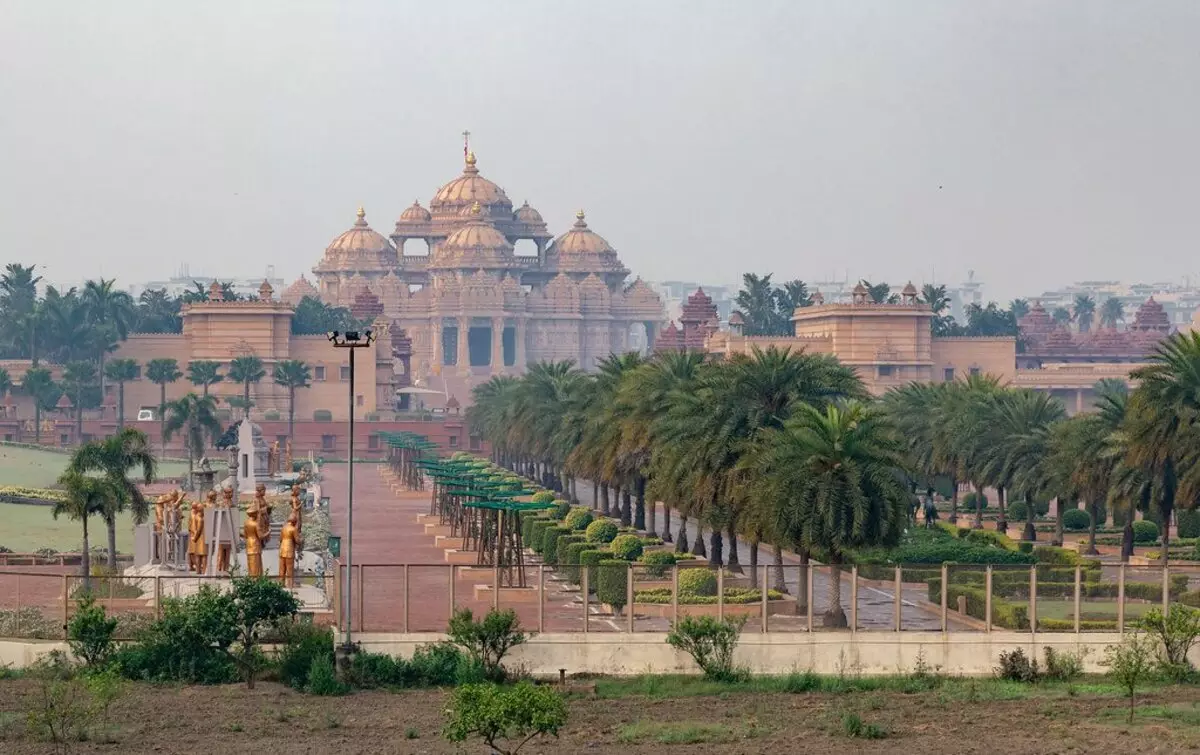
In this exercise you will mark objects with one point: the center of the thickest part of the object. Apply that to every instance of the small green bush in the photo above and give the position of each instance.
(612, 582)
(568, 564)
(1145, 531)
(493, 713)
(710, 642)
(303, 643)
(487, 640)
(627, 547)
(578, 518)
(1188, 523)
(561, 509)
(1017, 511)
(1015, 666)
(601, 531)
(658, 562)
(527, 521)
(697, 582)
(90, 633)
(550, 537)
(563, 545)
(536, 531)
(1025, 547)
(1076, 520)
(322, 678)
(376, 670)
(442, 664)
(543, 496)
(970, 499)
(590, 559)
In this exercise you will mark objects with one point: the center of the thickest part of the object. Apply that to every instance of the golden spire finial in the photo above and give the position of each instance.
(476, 209)
(470, 158)
(579, 215)
(361, 212)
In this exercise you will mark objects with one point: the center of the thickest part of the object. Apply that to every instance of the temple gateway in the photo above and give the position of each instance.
(471, 305)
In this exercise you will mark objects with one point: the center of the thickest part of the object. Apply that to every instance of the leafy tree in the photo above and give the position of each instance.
(1061, 316)
(939, 302)
(315, 317)
(839, 483)
(493, 713)
(1112, 313)
(487, 640)
(756, 301)
(989, 320)
(121, 371)
(260, 604)
(1019, 308)
(880, 293)
(6, 382)
(19, 309)
(1085, 312)
(115, 457)
(204, 373)
(196, 416)
(246, 370)
(83, 497)
(39, 385)
(109, 310)
(158, 312)
(292, 374)
(79, 380)
(160, 372)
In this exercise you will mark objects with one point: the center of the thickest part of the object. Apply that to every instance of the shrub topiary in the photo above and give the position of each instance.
(627, 547)
(657, 562)
(1188, 523)
(550, 543)
(543, 496)
(612, 583)
(601, 531)
(970, 499)
(1017, 511)
(1025, 547)
(589, 559)
(1076, 520)
(1145, 531)
(536, 531)
(697, 582)
(569, 563)
(564, 542)
(578, 518)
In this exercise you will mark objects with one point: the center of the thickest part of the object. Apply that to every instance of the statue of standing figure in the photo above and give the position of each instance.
(256, 530)
(297, 506)
(223, 549)
(197, 551)
(290, 542)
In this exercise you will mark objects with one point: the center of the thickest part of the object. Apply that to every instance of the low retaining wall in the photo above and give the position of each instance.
(869, 653)
(22, 653)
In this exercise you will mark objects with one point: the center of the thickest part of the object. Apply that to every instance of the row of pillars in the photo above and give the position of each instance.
(463, 356)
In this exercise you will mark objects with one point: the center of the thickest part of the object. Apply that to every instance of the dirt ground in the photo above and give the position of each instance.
(274, 719)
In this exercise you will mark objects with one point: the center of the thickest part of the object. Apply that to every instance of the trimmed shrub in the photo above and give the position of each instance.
(1025, 547)
(569, 564)
(527, 521)
(578, 518)
(1145, 531)
(612, 583)
(561, 509)
(550, 537)
(970, 499)
(303, 644)
(657, 562)
(627, 547)
(590, 558)
(697, 582)
(543, 496)
(1188, 523)
(537, 531)
(601, 531)
(563, 544)
(1017, 511)
(1076, 520)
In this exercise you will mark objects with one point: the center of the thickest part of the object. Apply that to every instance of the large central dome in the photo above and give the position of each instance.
(466, 190)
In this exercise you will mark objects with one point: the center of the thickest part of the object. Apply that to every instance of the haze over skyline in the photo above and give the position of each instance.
(1035, 143)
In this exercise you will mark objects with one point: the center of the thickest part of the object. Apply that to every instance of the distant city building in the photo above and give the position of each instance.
(1178, 300)
(675, 293)
(183, 281)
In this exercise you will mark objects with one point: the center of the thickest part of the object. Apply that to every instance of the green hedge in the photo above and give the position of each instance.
(733, 596)
(538, 531)
(590, 558)
(578, 519)
(970, 500)
(627, 547)
(569, 563)
(550, 537)
(1145, 531)
(697, 582)
(1188, 523)
(527, 521)
(563, 544)
(1017, 511)
(658, 563)
(613, 583)
(1004, 613)
(601, 531)
(1076, 520)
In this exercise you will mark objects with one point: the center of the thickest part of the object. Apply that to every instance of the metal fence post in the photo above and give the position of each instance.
(987, 601)
(945, 597)
(66, 615)
(763, 588)
(362, 588)
(406, 589)
(157, 598)
(584, 574)
(17, 631)
(541, 598)
(808, 576)
(496, 587)
(853, 598)
(1121, 599)
(720, 594)
(1033, 598)
(1078, 596)
(451, 590)
(1166, 589)
(674, 595)
(629, 598)
(898, 600)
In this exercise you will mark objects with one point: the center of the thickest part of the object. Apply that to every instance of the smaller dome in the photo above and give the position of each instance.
(581, 239)
(299, 289)
(360, 240)
(526, 214)
(415, 214)
(909, 290)
(735, 318)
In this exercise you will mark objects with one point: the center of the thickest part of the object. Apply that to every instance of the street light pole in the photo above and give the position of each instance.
(352, 340)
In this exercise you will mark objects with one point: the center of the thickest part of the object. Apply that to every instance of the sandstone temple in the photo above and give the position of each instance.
(469, 303)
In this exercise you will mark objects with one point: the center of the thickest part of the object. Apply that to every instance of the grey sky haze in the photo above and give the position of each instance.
(1034, 141)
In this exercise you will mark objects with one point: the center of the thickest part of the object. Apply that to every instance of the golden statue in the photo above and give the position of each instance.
(297, 512)
(197, 551)
(253, 544)
(273, 459)
(287, 451)
(211, 501)
(160, 509)
(290, 542)
(223, 549)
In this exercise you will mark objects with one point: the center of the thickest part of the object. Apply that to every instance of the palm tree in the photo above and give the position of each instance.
(116, 457)
(160, 372)
(246, 370)
(838, 477)
(1112, 312)
(39, 385)
(19, 306)
(204, 373)
(1061, 316)
(1022, 428)
(157, 312)
(78, 379)
(83, 496)
(756, 301)
(121, 371)
(6, 382)
(292, 374)
(1085, 312)
(196, 416)
(108, 309)
(1019, 308)
(880, 293)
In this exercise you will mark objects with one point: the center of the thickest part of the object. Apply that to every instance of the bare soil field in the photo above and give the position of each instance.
(273, 719)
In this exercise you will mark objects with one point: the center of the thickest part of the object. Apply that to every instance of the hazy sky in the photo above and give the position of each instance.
(1036, 142)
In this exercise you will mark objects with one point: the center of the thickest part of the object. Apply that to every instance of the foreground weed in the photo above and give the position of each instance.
(685, 733)
(854, 726)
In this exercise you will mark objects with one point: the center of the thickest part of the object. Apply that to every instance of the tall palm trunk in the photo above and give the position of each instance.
(754, 541)
(717, 547)
(292, 415)
(626, 507)
(121, 405)
(1167, 508)
(835, 616)
(1058, 522)
(978, 525)
(162, 417)
(666, 530)
(1095, 514)
(1001, 519)
(37, 420)
(953, 501)
(574, 490)
(639, 514)
(1030, 531)
(681, 542)
(1127, 539)
(85, 559)
(698, 548)
(111, 523)
(595, 494)
(246, 400)
(735, 564)
(604, 504)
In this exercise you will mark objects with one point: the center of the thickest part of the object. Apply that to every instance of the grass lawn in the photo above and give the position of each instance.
(25, 528)
(1091, 609)
(26, 467)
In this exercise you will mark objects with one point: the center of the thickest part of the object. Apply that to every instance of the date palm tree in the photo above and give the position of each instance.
(1023, 422)
(1112, 313)
(78, 379)
(121, 371)
(756, 302)
(160, 372)
(116, 457)
(196, 417)
(246, 370)
(837, 475)
(19, 306)
(1019, 308)
(39, 385)
(108, 309)
(6, 382)
(204, 373)
(1061, 316)
(292, 374)
(83, 497)
(1085, 312)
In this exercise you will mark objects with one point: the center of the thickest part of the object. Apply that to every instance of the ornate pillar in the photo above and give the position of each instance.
(519, 345)
(464, 353)
(497, 364)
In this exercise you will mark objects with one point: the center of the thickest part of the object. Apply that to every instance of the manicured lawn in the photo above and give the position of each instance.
(25, 528)
(1091, 609)
(27, 467)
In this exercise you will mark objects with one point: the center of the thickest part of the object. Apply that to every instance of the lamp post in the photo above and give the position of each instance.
(352, 340)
